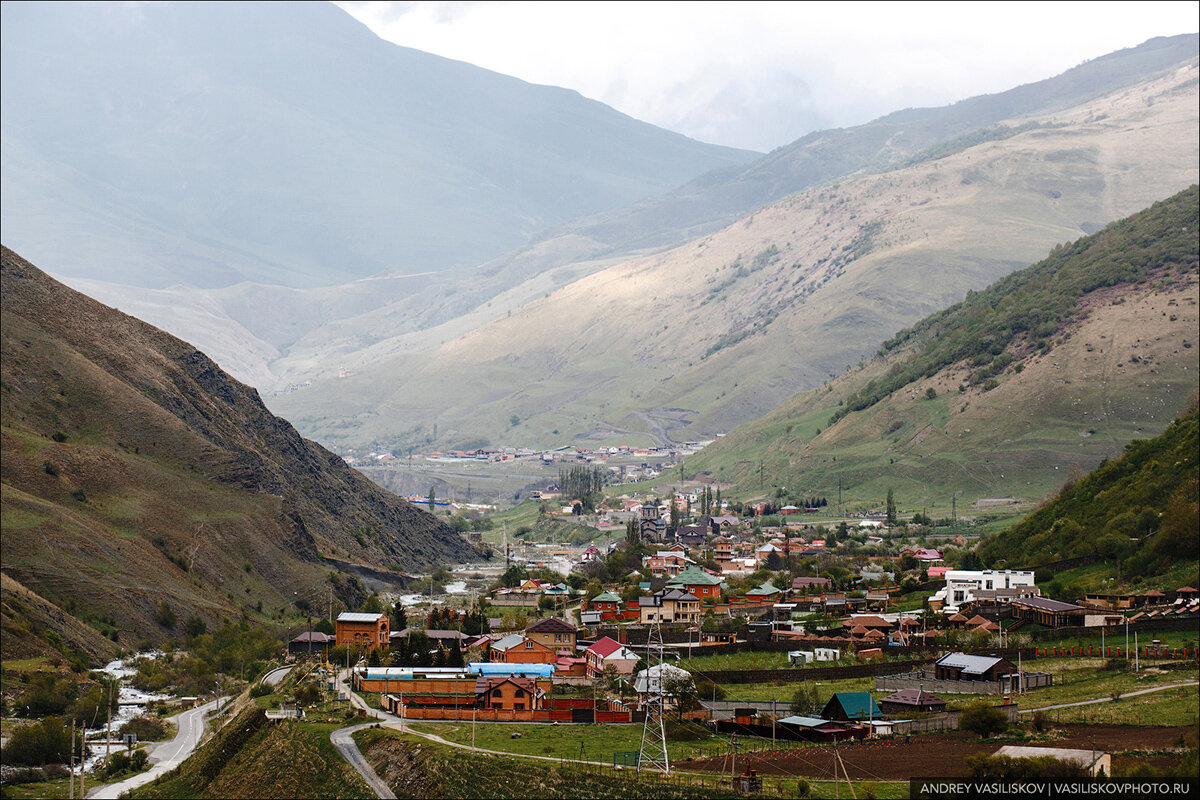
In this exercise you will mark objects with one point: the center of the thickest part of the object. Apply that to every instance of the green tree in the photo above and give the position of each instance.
(431, 498)
(891, 507)
(194, 627)
(165, 615)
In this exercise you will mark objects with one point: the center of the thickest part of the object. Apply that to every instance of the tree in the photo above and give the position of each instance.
(399, 616)
(165, 615)
(431, 495)
(804, 700)
(891, 507)
(982, 719)
(455, 658)
(194, 627)
(324, 626)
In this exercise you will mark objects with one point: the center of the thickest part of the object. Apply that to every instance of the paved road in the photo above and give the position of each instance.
(166, 756)
(1109, 699)
(276, 676)
(343, 739)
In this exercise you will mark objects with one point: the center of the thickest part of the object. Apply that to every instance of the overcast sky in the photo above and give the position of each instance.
(760, 75)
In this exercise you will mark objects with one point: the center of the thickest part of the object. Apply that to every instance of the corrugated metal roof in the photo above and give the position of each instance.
(805, 722)
(357, 616)
(973, 665)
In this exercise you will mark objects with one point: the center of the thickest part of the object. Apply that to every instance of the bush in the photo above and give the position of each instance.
(147, 728)
(1040, 723)
(46, 742)
(261, 690)
(981, 719)
(687, 732)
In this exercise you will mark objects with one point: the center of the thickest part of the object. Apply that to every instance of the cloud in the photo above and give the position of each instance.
(759, 75)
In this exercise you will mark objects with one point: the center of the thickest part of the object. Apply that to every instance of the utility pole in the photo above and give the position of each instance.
(71, 790)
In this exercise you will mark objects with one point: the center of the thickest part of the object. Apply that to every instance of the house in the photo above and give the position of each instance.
(310, 642)
(606, 604)
(590, 554)
(516, 649)
(508, 692)
(803, 584)
(607, 651)
(963, 667)
(553, 633)
(961, 585)
(362, 629)
(658, 680)
(651, 525)
(669, 605)
(852, 707)
(570, 667)
(697, 582)
(1050, 613)
(911, 701)
(764, 592)
(763, 552)
(1093, 762)
(665, 564)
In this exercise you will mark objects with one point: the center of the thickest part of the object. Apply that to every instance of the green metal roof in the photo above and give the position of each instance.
(606, 597)
(856, 705)
(693, 576)
(766, 588)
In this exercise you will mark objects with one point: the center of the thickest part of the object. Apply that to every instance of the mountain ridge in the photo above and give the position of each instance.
(144, 474)
(818, 280)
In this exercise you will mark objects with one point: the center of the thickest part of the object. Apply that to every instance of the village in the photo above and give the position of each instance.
(786, 633)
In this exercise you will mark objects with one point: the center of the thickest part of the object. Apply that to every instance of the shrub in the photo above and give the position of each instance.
(58, 436)
(687, 731)
(147, 728)
(1040, 723)
(981, 719)
(44, 742)
(261, 690)
(50, 468)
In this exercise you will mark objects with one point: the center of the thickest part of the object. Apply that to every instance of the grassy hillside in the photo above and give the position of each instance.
(687, 343)
(136, 473)
(1141, 509)
(250, 757)
(1039, 377)
(413, 769)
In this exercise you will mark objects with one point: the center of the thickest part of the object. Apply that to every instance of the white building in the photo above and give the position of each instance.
(963, 584)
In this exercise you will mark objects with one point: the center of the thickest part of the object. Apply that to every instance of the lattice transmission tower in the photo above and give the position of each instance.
(653, 752)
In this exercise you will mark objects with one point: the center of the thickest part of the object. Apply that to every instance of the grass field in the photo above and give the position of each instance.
(589, 742)
(475, 775)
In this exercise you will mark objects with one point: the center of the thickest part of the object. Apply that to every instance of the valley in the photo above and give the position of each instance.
(375, 424)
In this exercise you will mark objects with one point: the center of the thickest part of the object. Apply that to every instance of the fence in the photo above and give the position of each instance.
(924, 679)
(517, 715)
(1145, 651)
(731, 676)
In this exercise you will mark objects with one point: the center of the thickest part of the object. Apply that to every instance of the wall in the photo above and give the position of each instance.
(796, 675)
(923, 679)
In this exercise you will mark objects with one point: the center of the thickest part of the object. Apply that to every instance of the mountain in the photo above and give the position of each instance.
(210, 143)
(274, 336)
(1039, 377)
(689, 342)
(1141, 509)
(135, 472)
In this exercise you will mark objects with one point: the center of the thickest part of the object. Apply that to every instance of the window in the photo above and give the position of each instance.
(529, 645)
(519, 693)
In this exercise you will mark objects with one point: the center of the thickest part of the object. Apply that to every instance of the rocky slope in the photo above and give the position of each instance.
(136, 472)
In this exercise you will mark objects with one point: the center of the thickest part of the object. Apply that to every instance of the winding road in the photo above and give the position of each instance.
(166, 756)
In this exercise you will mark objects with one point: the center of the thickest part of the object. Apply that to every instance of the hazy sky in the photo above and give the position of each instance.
(760, 75)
